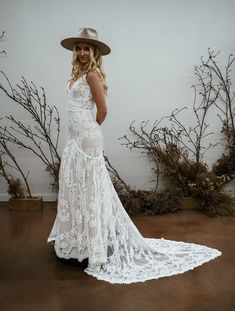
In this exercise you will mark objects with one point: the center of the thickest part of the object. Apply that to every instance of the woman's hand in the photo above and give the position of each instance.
(97, 91)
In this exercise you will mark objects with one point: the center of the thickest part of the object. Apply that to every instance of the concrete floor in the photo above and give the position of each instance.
(32, 278)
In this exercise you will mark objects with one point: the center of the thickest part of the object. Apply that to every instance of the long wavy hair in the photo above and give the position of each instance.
(94, 64)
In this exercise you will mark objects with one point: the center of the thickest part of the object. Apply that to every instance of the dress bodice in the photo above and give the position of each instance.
(79, 95)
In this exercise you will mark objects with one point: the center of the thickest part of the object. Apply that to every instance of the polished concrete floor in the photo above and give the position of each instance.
(33, 279)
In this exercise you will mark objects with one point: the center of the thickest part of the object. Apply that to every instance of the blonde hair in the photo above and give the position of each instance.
(95, 64)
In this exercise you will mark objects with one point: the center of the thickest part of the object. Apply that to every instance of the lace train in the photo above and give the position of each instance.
(92, 223)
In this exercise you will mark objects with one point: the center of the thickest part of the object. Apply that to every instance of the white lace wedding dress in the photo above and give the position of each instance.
(92, 223)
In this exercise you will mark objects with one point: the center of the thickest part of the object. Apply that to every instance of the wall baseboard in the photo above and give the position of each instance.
(46, 197)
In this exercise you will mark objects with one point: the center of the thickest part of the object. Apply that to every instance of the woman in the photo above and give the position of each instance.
(91, 221)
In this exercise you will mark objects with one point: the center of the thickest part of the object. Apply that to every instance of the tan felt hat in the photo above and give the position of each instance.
(86, 35)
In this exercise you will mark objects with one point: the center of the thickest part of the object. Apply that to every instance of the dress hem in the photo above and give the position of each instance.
(100, 278)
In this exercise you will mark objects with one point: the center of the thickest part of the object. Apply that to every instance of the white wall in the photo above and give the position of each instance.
(155, 45)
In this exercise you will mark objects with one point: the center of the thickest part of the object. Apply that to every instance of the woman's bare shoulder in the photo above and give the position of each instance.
(93, 75)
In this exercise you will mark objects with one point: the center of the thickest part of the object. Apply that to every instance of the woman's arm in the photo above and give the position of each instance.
(97, 90)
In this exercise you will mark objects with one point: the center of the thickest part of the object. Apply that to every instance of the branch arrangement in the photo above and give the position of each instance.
(42, 137)
(177, 150)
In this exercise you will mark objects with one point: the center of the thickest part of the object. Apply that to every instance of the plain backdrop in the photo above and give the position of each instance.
(155, 46)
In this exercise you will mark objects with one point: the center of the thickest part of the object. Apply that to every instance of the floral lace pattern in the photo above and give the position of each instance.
(91, 221)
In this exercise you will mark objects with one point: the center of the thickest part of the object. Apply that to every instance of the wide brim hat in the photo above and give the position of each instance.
(86, 35)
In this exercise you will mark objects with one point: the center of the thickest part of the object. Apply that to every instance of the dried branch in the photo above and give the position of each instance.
(114, 173)
(11, 182)
(37, 138)
(225, 104)
(3, 51)
(177, 145)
